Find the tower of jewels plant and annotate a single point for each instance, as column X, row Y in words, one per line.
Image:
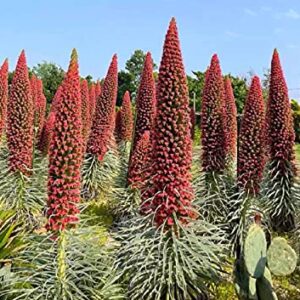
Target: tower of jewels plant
column 167, row 229
column 101, row 162
column 250, row 166
column 280, row 188
column 22, row 183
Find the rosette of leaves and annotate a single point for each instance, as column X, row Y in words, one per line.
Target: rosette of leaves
column 169, row 264
column 24, row 194
column 72, row 264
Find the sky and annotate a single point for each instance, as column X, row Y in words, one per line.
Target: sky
column 242, row 32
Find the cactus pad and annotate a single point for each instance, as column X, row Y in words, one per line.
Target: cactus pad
column 264, row 287
column 282, row 258
column 255, row 251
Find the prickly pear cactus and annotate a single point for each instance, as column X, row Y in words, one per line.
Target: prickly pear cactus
column 255, row 251
column 281, row 257
column 264, row 287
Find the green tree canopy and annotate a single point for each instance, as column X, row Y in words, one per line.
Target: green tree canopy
column 129, row 79
column 196, row 84
column 51, row 75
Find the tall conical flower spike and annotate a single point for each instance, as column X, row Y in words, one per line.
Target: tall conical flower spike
column 92, row 98
column 280, row 189
column 251, row 153
column 146, row 101
column 213, row 135
column 104, row 118
column 3, row 95
column 40, row 107
column 20, row 119
column 126, row 119
column 85, row 112
column 231, row 121
column 65, row 154
column 170, row 188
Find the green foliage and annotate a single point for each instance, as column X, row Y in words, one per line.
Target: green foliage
column 160, row 264
column 129, row 79
column 255, row 251
column 75, row 265
column 196, row 84
column 26, row 195
column 282, row 258
column 98, row 176
column 125, row 83
column 51, row 75
column 296, row 115
column 254, row 266
column 11, row 235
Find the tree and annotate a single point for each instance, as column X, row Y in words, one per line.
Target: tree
column 296, row 116
column 130, row 78
column 196, row 84
column 125, row 83
column 52, row 76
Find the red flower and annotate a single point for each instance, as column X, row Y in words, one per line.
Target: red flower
column 281, row 134
column 145, row 102
column 170, row 190
column 92, row 98
column 40, row 107
column 46, row 134
column 85, row 111
column 3, row 95
column 251, row 154
column 139, row 162
column 65, row 153
column 231, row 120
column 20, row 119
column 213, row 135
column 98, row 90
column 56, row 99
column 104, row 118
column 126, row 119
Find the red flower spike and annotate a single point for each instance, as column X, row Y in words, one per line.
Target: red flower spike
column 56, row 99
column 85, row 112
column 139, row 162
column 92, row 98
column 231, row 120
column 251, row 154
column 40, row 107
column 145, row 101
column 33, row 85
column 97, row 90
column 170, row 190
column 281, row 135
column 20, row 119
column 3, row 95
column 104, row 117
column 65, row 154
column 213, row 135
column 126, row 119
column 46, row 134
